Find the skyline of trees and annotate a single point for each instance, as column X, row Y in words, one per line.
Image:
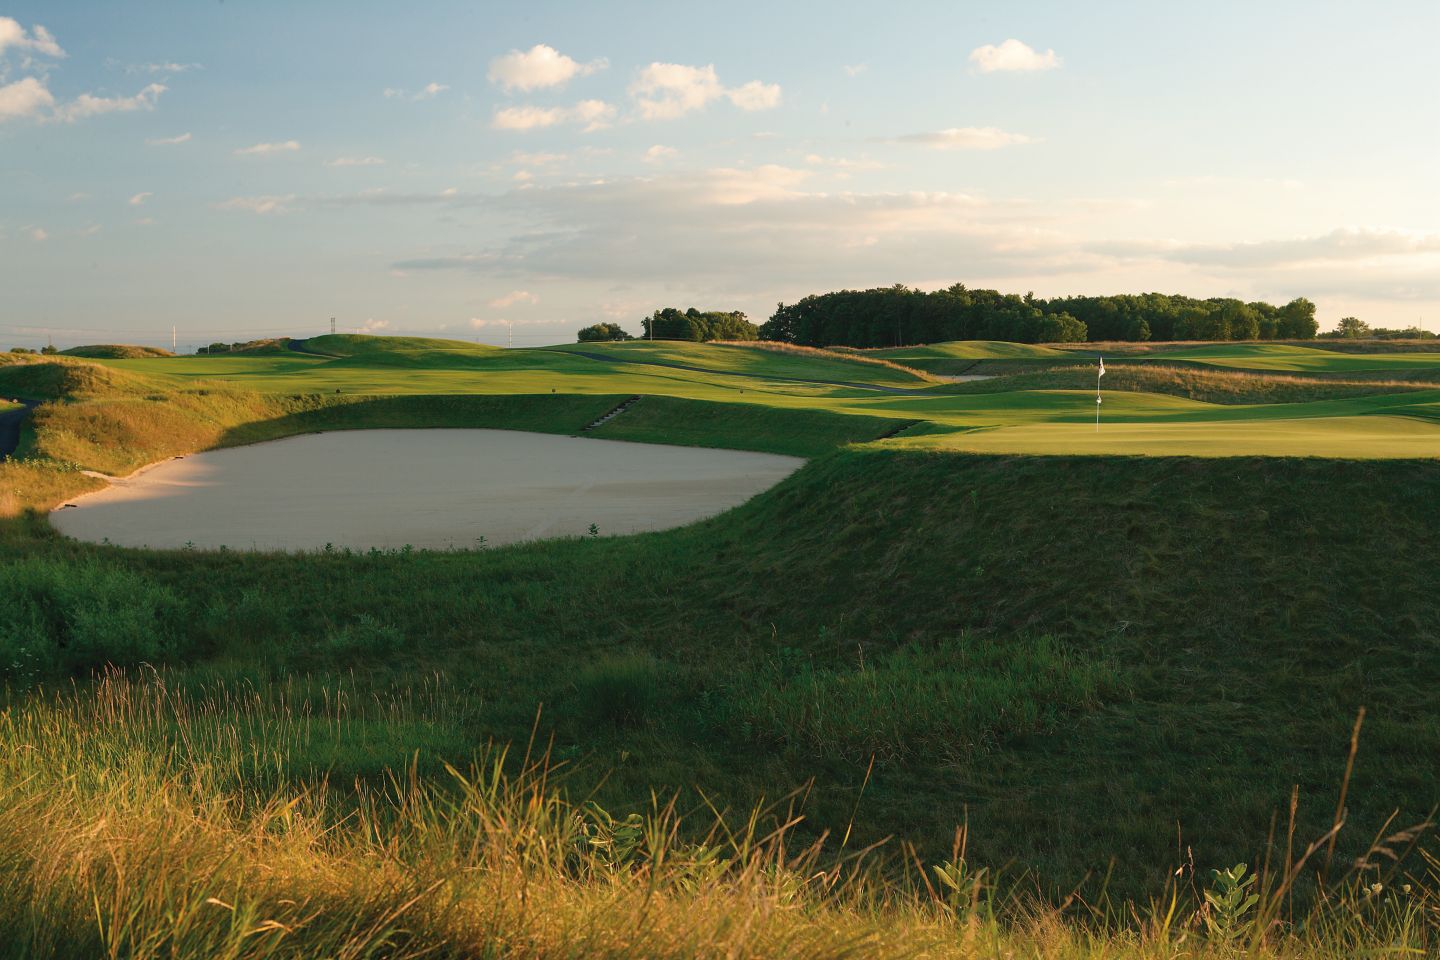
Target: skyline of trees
column 901, row 316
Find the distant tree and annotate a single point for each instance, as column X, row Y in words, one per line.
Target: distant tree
column 1297, row 320
column 21, row 350
column 1352, row 328
column 697, row 325
column 49, row 350
column 598, row 332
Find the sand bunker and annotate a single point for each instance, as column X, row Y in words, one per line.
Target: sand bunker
column 437, row 489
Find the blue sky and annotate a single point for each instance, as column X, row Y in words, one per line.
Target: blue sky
column 245, row 169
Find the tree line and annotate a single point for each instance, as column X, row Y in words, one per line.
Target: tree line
column 671, row 323
column 899, row 316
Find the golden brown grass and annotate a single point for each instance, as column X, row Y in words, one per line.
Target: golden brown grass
column 126, row 830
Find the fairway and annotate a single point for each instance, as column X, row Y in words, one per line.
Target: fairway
column 1018, row 411
column 436, row 489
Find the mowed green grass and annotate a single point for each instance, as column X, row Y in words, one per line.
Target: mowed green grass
column 970, row 350
column 1021, row 420
column 1282, row 357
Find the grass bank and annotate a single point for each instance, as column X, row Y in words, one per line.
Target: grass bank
column 1071, row 655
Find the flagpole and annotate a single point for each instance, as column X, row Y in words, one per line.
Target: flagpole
column 1098, row 374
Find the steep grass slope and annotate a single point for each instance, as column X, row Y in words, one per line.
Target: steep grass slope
column 1071, row 655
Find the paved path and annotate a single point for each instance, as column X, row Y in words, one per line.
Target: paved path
column 10, row 423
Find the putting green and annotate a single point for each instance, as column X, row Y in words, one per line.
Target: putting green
column 1339, row 437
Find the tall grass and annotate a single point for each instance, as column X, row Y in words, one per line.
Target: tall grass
column 122, row 834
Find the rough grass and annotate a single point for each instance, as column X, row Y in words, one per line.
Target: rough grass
column 1209, row 630
column 121, row 834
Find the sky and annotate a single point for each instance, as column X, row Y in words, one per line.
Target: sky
column 511, row 172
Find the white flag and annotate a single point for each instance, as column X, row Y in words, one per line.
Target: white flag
column 1102, row 368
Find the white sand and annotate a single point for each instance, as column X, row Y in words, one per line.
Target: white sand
column 427, row 488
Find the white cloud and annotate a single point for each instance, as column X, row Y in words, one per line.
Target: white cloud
column 514, row 297
column 430, row 91
column 166, row 67
column 355, row 162
column 854, row 70
column 593, row 114
column 539, row 67
column 284, row 146
column 755, row 96
column 139, row 199
column 967, row 138
column 260, row 205
column 88, row 105
column 1351, row 244
column 660, row 153
column 665, row 91
column 91, row 230
column 27, row 97
column 38, row 234
column 38, row 39
column 540, row 159
column 164, row 141
column 371, row 325
column 1012, row 55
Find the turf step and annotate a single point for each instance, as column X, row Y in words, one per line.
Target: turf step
column 611, row 415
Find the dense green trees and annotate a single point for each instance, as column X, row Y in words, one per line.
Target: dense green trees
column 692, row 324
column 598, row 332
column 899, row 315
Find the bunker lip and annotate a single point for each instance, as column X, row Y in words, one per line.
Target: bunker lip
column 426, row 488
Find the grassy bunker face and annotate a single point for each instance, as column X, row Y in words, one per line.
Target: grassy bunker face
column 438, row 489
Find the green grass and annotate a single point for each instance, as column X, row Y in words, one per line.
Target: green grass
column 1290, row 358
column 1103, row 668
column 1034, row 411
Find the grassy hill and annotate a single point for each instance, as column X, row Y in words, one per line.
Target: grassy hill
column 1103, row 669
column 115, row 351
column 1070, row 655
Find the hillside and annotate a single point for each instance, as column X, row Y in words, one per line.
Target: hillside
column 1143, row 647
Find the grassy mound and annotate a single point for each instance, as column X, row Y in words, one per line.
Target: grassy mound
column 115, row 351
column 54, row 379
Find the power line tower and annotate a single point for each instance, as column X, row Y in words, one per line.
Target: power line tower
column 332, row 326
column 174, row 338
